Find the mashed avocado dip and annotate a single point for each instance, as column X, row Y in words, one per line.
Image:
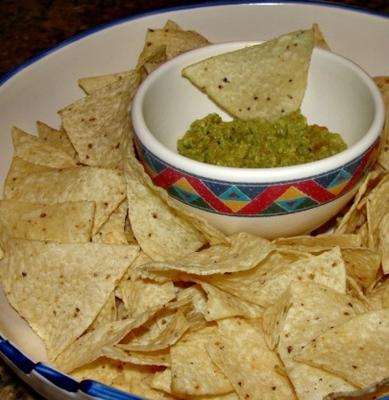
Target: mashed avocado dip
column 258, row 143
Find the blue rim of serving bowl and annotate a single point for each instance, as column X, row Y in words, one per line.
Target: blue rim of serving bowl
column 19, row 361
column 10, row 353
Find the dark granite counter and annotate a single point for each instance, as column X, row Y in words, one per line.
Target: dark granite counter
column 31, row 26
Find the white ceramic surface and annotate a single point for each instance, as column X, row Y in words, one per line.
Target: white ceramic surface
column 38, row 89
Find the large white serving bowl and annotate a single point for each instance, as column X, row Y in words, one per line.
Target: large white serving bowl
column 270, row 202
column 37, row 89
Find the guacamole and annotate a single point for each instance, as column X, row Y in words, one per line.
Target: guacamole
column 258, row 143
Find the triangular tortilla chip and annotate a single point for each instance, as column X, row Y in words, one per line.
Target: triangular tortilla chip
column 56, row 138
column 357, row 350
column 240, row 351
column 222, row 305
column 244, row 253
column 97, row 123
column 88, row 347
column 193, row 372
column 157, row 358
column 17, row 172
column 372, row 392
column 173, row 39
column 264, row 284
column 266, row 80
column 151, row 218
column 307, row 310
column 47, row 186
column 33, row 149
column 60, row 288
column 319, row 38
column 92, row 83
column 113, row 229
column 66, row 222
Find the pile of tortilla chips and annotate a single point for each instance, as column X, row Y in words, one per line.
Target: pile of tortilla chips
column 125, row 287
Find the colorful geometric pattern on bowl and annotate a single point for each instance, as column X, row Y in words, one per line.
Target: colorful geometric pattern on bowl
column 255, row 199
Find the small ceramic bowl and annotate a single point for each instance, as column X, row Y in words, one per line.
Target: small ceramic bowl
column 270, row 202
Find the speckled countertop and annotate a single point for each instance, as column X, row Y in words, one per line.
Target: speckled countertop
column 31, row 26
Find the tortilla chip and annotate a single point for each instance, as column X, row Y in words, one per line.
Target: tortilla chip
column 173, row 39
column 309, row 309
column 362, row 264
column 92, row 83
column 266, row 80
column 47, row 283
column 156, row 358
column 103, row 370
column 319, row 38
column 379, row 297
column 244, row 253
column 377, row 208
column 89, row 347
column 222, row 305
column 320, row 242
column 33, row 149
column 169, row 334
column 17, row 172
column 354, row 216
column 67, row 222
column 266, row 283
column 107, row 314
column 383, row 242
column 103, row 186
column 192, row 299
column 193, row 372
column 241, row 353
column 160, row 232
column 97, row 123
column 139, row 295
column 383, row 157
column 126, row 377
column 112, row 230
column 372, row 392
column 139, row 381
column 139, row 181
column 356, row 350
column 56, row 138
column 162, row 380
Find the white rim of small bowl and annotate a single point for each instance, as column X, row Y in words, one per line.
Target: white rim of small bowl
column 256, row 174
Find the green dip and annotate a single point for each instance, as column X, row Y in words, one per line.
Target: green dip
column 258, row 143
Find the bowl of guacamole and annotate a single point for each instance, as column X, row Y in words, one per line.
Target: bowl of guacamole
column 258, row 143
column 282, row 170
